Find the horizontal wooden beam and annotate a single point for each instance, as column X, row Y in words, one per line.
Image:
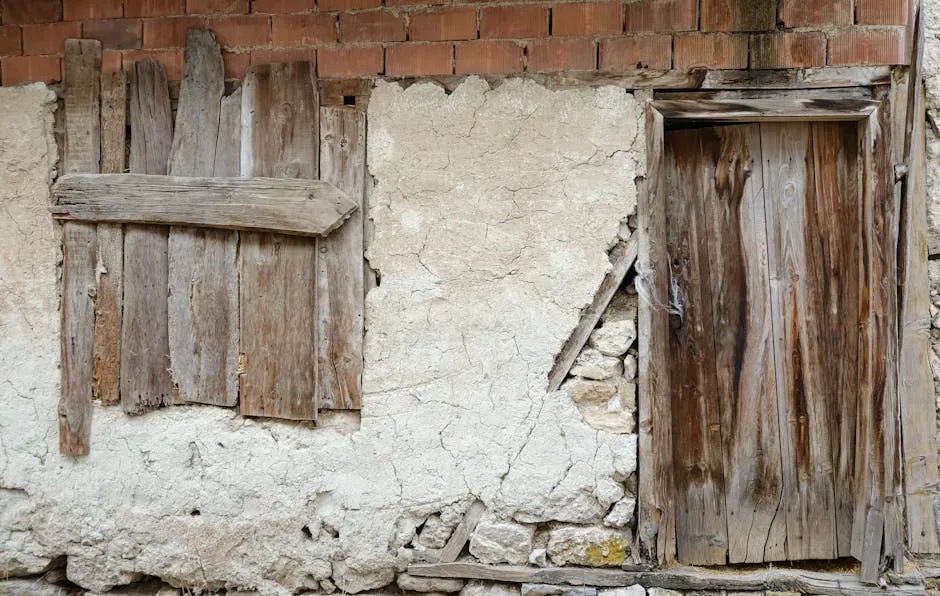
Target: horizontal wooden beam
column 287, row 206
column 677, row 578
column 755, row 110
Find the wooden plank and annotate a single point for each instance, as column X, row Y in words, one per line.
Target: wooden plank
column 777, row 94
column 82, row 151
column 676, row 578
column 656, row 514
column 297, row 207
column 278, row 310
column 458, row 539
column 764, row 110
column 203, row 283
column 622, row 258
column 229, row 145
column 915, row 381
column 145, row 350
column 341, row 274
column 701, row 522
column 109, row 302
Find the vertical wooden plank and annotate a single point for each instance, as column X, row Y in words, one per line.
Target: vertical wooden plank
column 203, row 283
column 82, row 151
column 340, row 275
column 145, row 349
column 278, row 311
column 110, row 267
column 701, row 524
column 736, row 239
column 228, row 149
column 656, row 515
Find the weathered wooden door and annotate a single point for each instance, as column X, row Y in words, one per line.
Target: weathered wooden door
column 769, row 278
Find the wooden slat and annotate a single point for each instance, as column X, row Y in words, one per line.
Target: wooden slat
column 622, row 258
column 701, row 522
column 341, row 274
column 113, row 122
column 458, row 539
column 203, row 281
column 280, row 138
column 82, row 151
column 915, row 382
column 759, row 110
column 305, row 208
column 145, row 350
column 228, row 148
column 656, row 515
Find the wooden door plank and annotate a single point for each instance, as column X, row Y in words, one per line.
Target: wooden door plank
column 82, row 152
column 110, row 297
column 340, row 274
column 145, row 351
column 278, row 310
column 701, row 524
column 736, row 239
column 203, row 285
column 228, row 148
column 656, row 525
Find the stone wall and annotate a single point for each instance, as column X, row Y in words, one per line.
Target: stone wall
column 493, row 212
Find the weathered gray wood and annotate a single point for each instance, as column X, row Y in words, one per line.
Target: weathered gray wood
column 676, row 578
column 145, row 351
column 656, row 515
column 776, row 94
column 228, row 148
column 278, row 306
column 458, row 539
column 82, row 151
column 341, row 274
column 622, row 258
column 109, row 301
column 203, row 280
column 303, row 208
column 763, row 110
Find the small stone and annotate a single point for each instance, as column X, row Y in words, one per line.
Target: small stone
column 538, row 557
column 623, row 306
column 30, row 587
column 662, row 592
column 501, row 542
column 590, row 546
column 477, row 588
column 598, row 417
column 411, row 583
column 588, row 391
column 434, row 534
column 627, row 391
column 614, row 338
column 621, row 514
column 593, row 364
column 630, row 367
column 634, row 590
column 327, row 587
column 541, row 589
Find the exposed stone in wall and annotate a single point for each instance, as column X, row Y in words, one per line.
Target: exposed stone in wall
column 932, row 80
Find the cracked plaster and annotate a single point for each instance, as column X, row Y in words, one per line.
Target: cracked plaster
column 493, row 211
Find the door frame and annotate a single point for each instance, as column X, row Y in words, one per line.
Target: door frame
column 879, row 512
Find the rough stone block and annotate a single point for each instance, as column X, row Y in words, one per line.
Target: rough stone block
column 583, row 391
column 614, row 338
column 496, row 542
column 476, row 588
column 634, row 590
column 590, row 546
column 621, row 515
column 594, row 364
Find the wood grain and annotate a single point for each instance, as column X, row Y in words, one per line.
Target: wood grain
column 278, row 306
column 458, row 539
column 228, row 147
column 82, row 105
column 145, row 352
column 341, row 271
column 766, row 110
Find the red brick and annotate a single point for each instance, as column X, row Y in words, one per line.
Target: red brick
column 353, row 61
column 330, row 5
column 234, row 64
column 23, row 69
column 232, row 32
column 867, row 46
column 882, row 12
column 302, row 30
column 414, row 2
column 110, row 61
column 715, row 50
column 153, row 8
column 24, row 12
column 282, row 6
column 49, row 39
column 216, row 6
column 374, row 25
column 172, row 61
column 662, row 15
column 115, row 34
column 587, row 18
column 276, row 56
column 169, row 33
column 561, row 54
column 514, row 22
column 630, row 53
column 803, row 13
column 488, row 57
column 740, row 15
column 402, row 60
column 788, row 50
column 10, row 41
column 81, row 10
column 444, row 24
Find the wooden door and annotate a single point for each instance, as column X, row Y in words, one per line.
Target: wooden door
column 765, row 268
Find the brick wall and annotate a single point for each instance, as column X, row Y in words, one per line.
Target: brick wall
column 360, row 38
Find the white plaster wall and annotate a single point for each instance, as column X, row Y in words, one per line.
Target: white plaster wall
column 931, row 15
column 493, row 211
